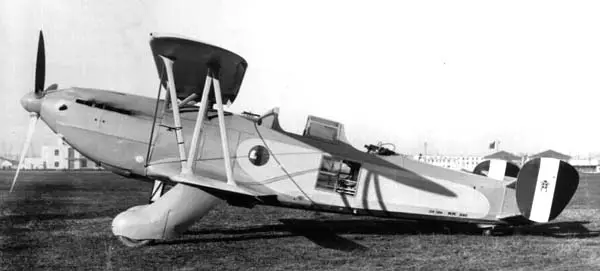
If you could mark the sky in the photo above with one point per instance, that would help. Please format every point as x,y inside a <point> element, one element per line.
<point>455,74</point>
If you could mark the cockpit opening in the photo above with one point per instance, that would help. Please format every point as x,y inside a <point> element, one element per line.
<point>324,129</point>
<point>104,106</point>
<point>315,128</point>
<point>337,175</point>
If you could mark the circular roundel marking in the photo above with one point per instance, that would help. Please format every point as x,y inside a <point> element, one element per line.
<point>258,155</point>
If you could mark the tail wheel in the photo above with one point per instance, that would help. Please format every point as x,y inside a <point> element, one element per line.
<point>498,231</point>
<point>134,242</point>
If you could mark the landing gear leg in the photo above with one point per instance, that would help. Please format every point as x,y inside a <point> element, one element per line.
<point>157,191</point>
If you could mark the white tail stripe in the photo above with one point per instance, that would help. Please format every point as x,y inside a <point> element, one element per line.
<point>544,190</point>
<point>497,169</point>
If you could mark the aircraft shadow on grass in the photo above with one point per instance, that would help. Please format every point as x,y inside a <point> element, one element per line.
<point>25,218</point>
<point>42,201</point>
<point>564,229</point>
<point>37,206</point>
<point>326,233</point>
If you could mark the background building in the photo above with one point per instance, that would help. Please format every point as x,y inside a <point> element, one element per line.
<point>456,162</point>
<point>552,154</point>
<point>506,156</point>
<point>58,157</point>
<point>63,156</point>
<point>468,162</point>
<point>586,165</point>
<point>7,163</point>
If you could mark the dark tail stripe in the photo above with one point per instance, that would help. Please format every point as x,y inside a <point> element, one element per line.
<point>567,181</point>
<point>512,170</point>
<point>526,183</point>
<point>481,167</point>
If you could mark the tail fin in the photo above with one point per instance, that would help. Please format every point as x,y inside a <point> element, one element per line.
<point>544,188</point>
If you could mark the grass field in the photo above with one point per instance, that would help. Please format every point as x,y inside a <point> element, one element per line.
<point>61,220</point>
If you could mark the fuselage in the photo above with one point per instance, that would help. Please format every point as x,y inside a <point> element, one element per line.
<point>115,129</point>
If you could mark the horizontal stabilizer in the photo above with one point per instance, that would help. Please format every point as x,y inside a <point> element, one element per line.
<point>544,188</point>
<point>497,169</point>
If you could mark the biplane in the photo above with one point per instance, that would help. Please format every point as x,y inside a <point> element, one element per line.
<point>209,155</point>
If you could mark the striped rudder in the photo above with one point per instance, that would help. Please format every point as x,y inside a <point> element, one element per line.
<point>544,188</point>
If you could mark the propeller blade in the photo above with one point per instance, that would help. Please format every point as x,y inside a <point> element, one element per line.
<point>32,121</point>
<point>40,67</point>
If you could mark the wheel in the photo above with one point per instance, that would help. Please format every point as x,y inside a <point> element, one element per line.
<point>498,231</point>
<point>489,231</point>
<point>134,242</point>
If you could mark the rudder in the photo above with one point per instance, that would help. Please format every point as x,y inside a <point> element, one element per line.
<point>544,188</point>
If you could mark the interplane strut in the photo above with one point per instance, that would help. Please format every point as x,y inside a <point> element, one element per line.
<point>175,107</point>
<point>212,78</point>
<point>198,127</point>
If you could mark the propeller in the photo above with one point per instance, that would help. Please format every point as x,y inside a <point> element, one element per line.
<point>40,67</point>
<point>33,117</point>
<point>32,101</point>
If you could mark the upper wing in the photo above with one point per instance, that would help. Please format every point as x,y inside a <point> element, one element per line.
<point>191,60</point>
